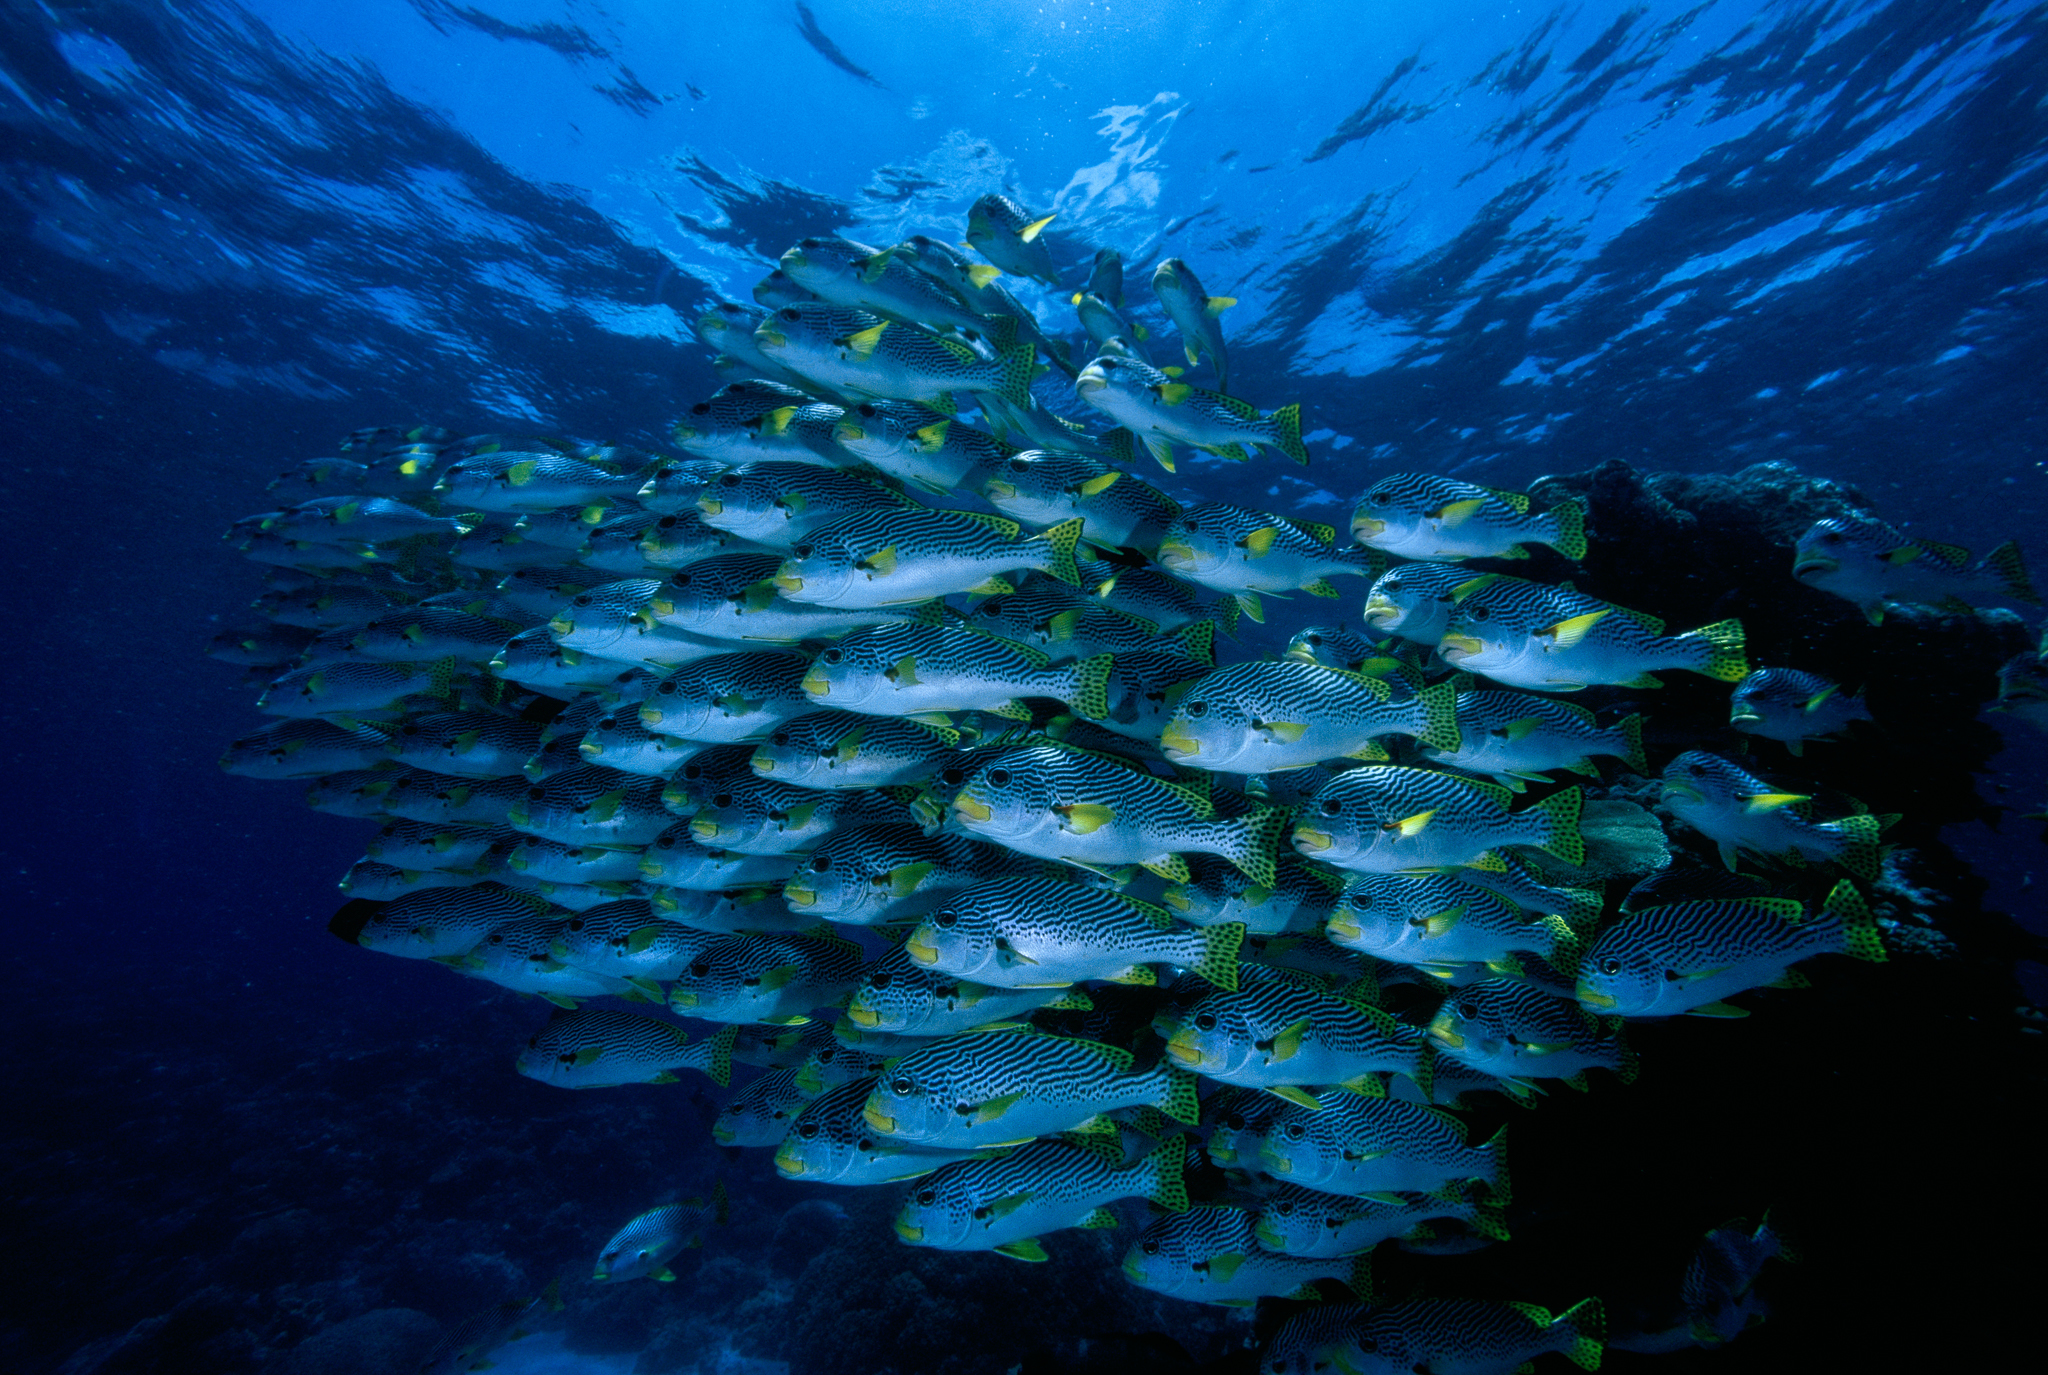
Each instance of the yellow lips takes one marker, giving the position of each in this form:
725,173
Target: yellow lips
1340,927
1743,718
1092,379
651,867
1816,564
1365,527
877,1119
1304,838
679,998
1184,1050
846,431
1176,551
788,582
1379,609
815,685
722,1134
1275,1163
1268,1238
863,1016
1592,999
683,434
1178,742
911,1234
786,1159
561,625
998,491
1133,1271
1440,1032
710,506
650,716
798,897
923,952
972,810
1461,644
703,827
760,761
768,337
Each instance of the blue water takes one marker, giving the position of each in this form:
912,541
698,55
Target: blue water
1491,240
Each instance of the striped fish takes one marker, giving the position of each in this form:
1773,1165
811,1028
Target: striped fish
433,797
1739,811
1415,601
1332,646
1211,1254
898,557
1044,487
898,996
1150,595
349,688
1246,553
1792,707
745,422
1516,1031
1264,717
747,910
354,792
592,806
1066,624
1353,1144
521,956
618,739
437,921
1035,932
674,542
368,880
776,504
1688,956
465,744
869,875
1865,561
1161,411
1004,1203
674,859
1385,818
998,1088
1280,1030
1237,1120
1526,635
1441,924
1423,516
766,978
1301,1222
422,845
761,1113
537,857
1196,314
1479,1336
918,445
830,1142
595,1048
521,481
770,817
1513,737
1146,686
926,672
866,356
729,697
607,620
843,749
627,940
429,633
644,1246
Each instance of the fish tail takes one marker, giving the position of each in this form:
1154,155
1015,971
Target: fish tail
1162,1171
1560,813
1582,1329
1286,424
1252,843
1090,693
1861,854
1716,651
1358,1278
1497,1183
1013,375
2004,564
720,1047
1177,1096
1218,961
1063,539
1198,640
1226,616
1567,946
1490,1220
1631,728
1570,539
1439,707
1859,926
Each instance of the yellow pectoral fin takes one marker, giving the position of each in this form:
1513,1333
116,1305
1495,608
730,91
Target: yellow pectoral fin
777,421
1218,304
882,561
1035,228
996,1107
862,345
1259,542
1412,826
1096,486
1085,818
1289,731
905,671
1567,633
1456,513
1770,802
1173,393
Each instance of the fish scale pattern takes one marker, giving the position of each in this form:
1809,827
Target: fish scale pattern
538,578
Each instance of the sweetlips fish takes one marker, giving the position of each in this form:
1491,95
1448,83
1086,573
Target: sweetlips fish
928,671
264,646
1468,1336
1515,1031
1688,956
1059,803
2023,688
843,749
871,875
1440,923
1333,646
1717,1295
732,600
1004,1203
776,290
1869,563
533,480
727,329
1211,1254
762,1113
1528,635
1008,235
1792,707
991,1088
1386,818
1237,1120
618,740
422,796
777,503
520,956
1162,412
769,817
351,519
746,910
302,748
1265,717
728,697
1106,276
1106,327
1422,516
351,688
1144,687
1066,624
889,558
1415,601
1295,1221
863,355
435,922
628,940
1739,811
705,773
594,1048
897,995
1042,487
675,859
355,792
1280,1030
841,272
591,806
830,1142
465,744
427,633
1299,900
1196,314
1515,738
1242,552
610,621
920,446
1153,596
644,1246
471,1343
1038,932
773,979
979,285
419,845
743,422
1365,1146
317,477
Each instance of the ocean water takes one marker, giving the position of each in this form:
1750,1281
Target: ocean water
1492,241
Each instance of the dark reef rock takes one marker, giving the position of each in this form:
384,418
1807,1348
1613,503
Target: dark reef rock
384,1341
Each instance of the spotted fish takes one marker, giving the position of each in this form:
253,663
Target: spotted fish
1386,818
1263,717
1739,811
1211,1254
1003,1204
601,1048
1279,1031
1246,554
1422,516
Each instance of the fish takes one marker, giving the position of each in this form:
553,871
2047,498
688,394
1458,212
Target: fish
1387,818
1237,1120
1367,1146
377,882
729,697
1106,276
608,621
843,749
416,845
843,273
1106,326
1279,1030
1469,1336
304,748
260,646
1739,811
532,660
1003,1204
830,1142
522,481
991,1088
675,484
1518,1032
762,1113
349,689
1063,804
704,773
1066,624
675,859
1872,565
454,801
428,633
1415,601
920,446
1440,519
727,330
766,816
1334,646
1527,635
1716,1294
619,740
354,792
746,422
777,503
1145,687
643,1247
821,43
1300,900
865,356
1211,1254
1792,707
317,477
591,806
593,1048
470,1344
1265,717
1152,596
520,956
1196,314
743,910
1244,553
876,874
1440,923
674,542
465,744
773,979
434,922
1036,932
1689,957
927,672
1011,237
357,519
899,557
714,601
2023,689
1295,1221
1516,739
1162,412
1043,487
898,995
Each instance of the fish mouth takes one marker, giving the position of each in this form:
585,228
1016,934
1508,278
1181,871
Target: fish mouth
787,1161
815,685
999,491
1743,718
651,868
1133,1271
1178,743
1092,379
682,434
1460,646
1174,553
1340,928
1440,1032
971,809
710,506
1178,900
1278,1164
649,488
922,951
1184,1051
798,897
793,261
704,827
863,1016
1364,527
722,1134
767,338
1378,609
876,1118
1603,1001
845,432
760,761
1672,788
650,716
788,582
1268,1238
910,1232
1815,563
561,625
680,998
1307,839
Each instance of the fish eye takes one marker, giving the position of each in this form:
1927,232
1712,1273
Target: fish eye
1197,708
1672,976
1151,1248
1610,965
681,580
665,842
667,523
927,1196
992,607
1479,612
1296,1131
953,777
833,656
1018,465
1330,806
701,408
1380,497
583,599
790,314
1831,537
1696,770
665,689
699,968
607,723
807,1130
533,1042
881,980
903,1086
1368,1343
729,480
567,1057
722,800
536,794
1467,1011
821,863
1205,1022
867,409
1312,639
999,777
946,919
802,551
